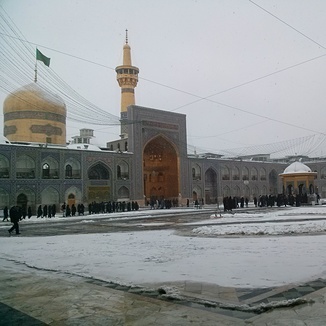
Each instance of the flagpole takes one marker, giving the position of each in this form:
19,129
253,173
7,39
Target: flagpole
35,77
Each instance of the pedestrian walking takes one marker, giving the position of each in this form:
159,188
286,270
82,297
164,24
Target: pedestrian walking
29,212
5,214
39,211
15,216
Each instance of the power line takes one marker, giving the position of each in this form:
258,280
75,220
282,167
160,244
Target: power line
287,24
81,107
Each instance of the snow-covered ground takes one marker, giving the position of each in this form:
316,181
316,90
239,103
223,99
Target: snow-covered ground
286,252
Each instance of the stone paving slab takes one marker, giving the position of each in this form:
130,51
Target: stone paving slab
34,297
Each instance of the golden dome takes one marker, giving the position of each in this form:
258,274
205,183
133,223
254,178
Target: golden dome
33,114
33,98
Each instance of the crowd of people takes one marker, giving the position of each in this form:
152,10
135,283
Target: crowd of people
112,207
46,211
71,211
162,203
279,200
17,213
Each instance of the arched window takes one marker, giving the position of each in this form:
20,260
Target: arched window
225,173
68,172
123,170
50,168
235,173
126,146
254,174
196,172
123,193
45,171
25,167
72,168
262,173
118,172
245,173
4,167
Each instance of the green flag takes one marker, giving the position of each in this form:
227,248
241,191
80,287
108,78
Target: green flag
42,57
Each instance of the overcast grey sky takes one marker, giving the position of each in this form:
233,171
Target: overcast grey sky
187,51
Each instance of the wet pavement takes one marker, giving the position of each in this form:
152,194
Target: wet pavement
30,296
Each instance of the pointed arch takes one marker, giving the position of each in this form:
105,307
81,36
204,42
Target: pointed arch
245,173
197,193
73,195
26,197
196,172
25,167
98,171
225,171
210,186
254,191
161,169
246,192
123,170
72,168
50,168
4,167
262,174
123,193
235,173
254,174
50,196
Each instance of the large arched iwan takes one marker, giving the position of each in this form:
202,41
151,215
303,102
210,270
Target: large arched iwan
160,170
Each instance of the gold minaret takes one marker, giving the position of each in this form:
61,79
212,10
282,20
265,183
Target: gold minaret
127,77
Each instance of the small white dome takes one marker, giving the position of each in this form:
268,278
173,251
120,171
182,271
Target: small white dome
297,167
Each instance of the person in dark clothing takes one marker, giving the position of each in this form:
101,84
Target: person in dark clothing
15,216
29,212
39,211
45,211
73,210
24,213
5,214
68,210
54,210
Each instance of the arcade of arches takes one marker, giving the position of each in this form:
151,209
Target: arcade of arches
238,183
160,170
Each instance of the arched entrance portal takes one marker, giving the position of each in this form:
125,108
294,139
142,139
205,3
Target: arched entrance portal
71,200
160,170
